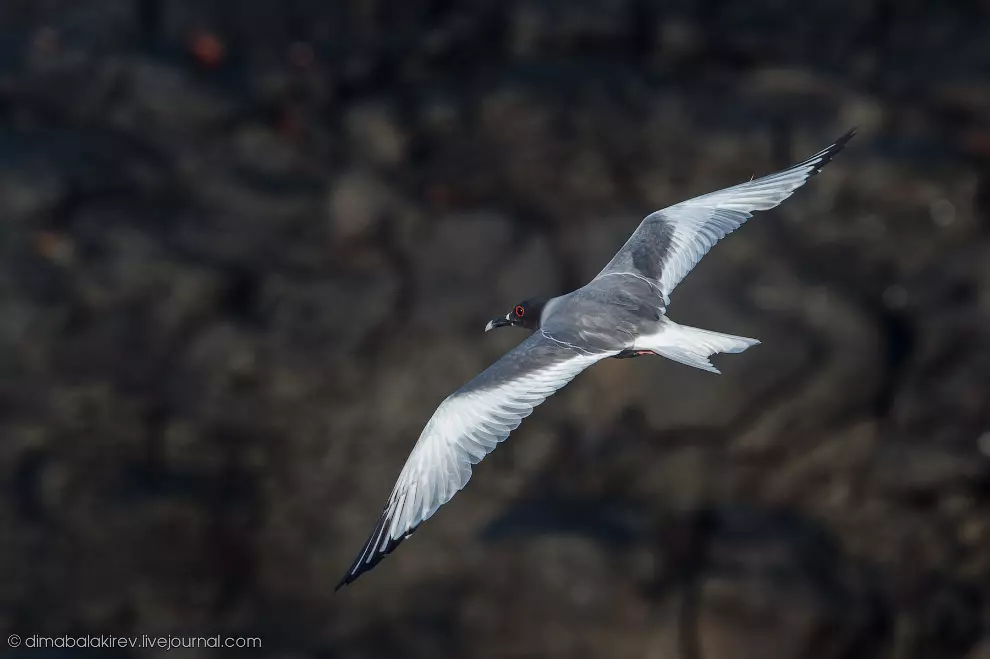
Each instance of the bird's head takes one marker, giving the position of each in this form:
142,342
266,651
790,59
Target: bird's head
524,314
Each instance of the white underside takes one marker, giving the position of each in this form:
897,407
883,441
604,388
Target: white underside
691,346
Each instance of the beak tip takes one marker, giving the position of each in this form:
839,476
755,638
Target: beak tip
489,326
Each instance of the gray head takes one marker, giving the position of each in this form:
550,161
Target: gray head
524,314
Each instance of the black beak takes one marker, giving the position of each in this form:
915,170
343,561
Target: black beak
497,322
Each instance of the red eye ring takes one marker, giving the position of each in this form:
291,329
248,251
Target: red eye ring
520,310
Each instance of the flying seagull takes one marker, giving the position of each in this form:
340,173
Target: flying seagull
621,313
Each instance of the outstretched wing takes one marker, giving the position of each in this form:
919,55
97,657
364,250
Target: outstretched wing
466,427
669,243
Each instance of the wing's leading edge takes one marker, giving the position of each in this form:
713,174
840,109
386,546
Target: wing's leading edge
466,427
669,243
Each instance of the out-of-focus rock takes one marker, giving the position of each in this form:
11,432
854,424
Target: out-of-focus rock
375,135
454,267
169,98
763,584
980,651
357,203
27,192
556,26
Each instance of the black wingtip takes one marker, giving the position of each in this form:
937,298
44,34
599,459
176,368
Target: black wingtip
848,136
349,578
370,555
840,143
825,156
343,582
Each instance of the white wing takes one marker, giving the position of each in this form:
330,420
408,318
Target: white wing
669,243
466,427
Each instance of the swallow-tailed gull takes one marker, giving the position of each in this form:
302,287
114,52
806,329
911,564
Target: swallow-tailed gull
621,313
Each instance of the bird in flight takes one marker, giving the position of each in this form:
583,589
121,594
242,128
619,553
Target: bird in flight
621,313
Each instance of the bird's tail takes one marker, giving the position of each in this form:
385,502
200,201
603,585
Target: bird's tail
692,346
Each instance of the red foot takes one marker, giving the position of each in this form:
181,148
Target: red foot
644,352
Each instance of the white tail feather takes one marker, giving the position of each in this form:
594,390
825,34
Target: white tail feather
690,345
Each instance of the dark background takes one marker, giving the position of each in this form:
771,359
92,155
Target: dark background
248,247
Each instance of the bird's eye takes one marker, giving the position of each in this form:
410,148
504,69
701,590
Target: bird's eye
520,311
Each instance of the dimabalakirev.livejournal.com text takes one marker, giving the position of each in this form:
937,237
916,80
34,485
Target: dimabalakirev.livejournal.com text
141,641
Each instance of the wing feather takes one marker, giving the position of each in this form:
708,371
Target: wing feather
466,427
669,243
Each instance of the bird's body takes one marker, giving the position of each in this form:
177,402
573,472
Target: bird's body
600,317
621,313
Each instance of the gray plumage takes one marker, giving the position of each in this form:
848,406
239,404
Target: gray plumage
621,312
601,316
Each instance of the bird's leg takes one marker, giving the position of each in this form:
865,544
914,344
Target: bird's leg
629,354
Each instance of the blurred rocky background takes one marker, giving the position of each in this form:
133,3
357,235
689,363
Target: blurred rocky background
247,247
